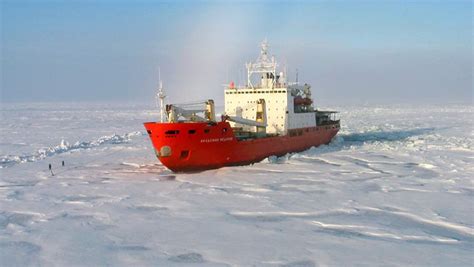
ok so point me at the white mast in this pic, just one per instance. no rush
(161, 95)
(263, 65)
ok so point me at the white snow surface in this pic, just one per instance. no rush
(394, 188)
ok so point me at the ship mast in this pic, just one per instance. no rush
(264, 65)
(160, 95)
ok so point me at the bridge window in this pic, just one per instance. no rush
(192, 131)
(172, 132)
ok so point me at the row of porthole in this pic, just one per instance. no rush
(269, 109)
(254, 117)
(269, 117)
(249, 102)
(252, 102)
(254, 92)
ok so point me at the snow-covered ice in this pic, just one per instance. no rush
(394, 188)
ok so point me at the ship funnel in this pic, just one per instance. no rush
(261, 117)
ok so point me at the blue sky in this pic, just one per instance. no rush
(356, 51)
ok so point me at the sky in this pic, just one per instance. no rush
(349, 51)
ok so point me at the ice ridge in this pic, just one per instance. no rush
(63, 147)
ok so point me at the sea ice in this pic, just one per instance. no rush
(394, 187)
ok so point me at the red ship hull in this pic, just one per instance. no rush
(189, 147)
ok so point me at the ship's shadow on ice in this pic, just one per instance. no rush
(383, 136)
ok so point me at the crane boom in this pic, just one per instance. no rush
(245, 121)
(174, 112)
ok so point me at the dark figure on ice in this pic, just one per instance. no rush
(51, 169)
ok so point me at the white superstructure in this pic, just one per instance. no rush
(287, 106)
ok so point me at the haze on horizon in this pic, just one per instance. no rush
(357, 51)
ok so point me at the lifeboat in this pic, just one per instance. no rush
(303, 101)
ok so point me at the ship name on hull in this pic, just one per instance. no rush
(212, 140)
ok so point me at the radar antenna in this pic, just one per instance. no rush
(264, 65)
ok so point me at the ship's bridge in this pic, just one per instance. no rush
(287, 106)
